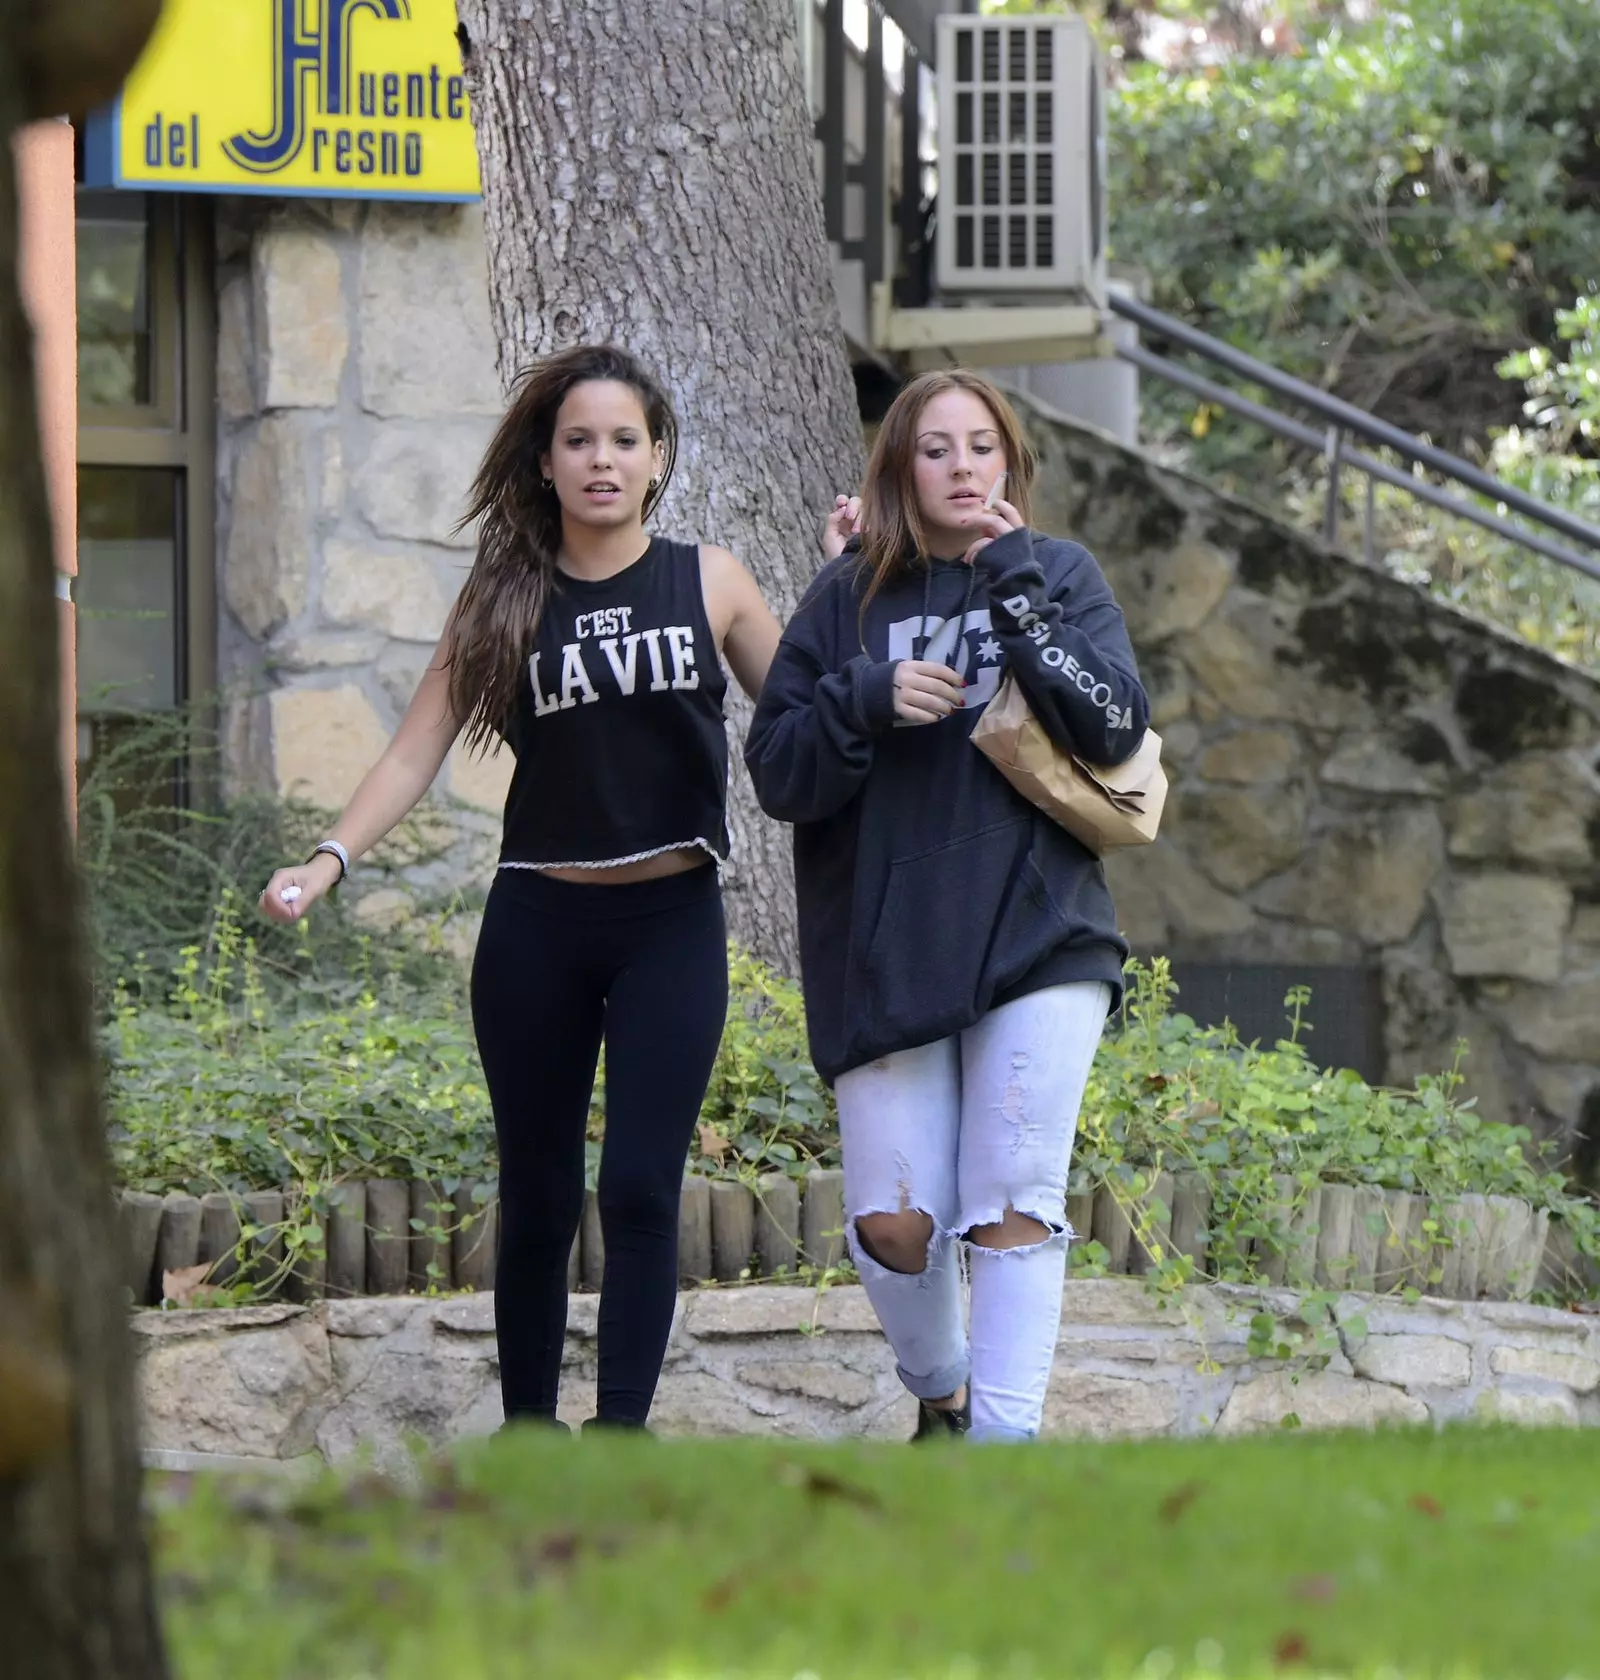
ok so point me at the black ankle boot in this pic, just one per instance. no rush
(614, 1426)
(936, 1423)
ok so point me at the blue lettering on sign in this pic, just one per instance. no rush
(323, 54)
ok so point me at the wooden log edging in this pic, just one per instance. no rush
(393, 1237)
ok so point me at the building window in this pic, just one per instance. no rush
(146, 449)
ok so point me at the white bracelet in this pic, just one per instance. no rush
(334, 849)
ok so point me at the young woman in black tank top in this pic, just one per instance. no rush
(593, 651)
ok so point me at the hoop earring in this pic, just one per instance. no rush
(547, 483)
(655, 483)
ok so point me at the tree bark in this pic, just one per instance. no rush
(648, 178)
(75, 1598)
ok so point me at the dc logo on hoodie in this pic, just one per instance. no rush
(938, 641)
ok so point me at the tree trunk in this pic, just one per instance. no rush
(75, 1600)
(648, 178)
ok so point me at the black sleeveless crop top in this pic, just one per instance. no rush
(618, 729)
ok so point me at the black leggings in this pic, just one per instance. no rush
(644, 964)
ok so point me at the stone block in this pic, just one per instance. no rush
(1497, 1405)
(303, 326)
(1174, 592)
(235, 1390)
(1558, 1021)
(733, 1229)
(465, 1315)
(593, 1242)
(1251, 756)
(388, 1231)
(1420, 1361)
(1369, 876)
(414, 481)
(139, 1216)
(347, 1239)
(777, 1310)
(1083, 1403)
(426, 345)
(1119, 1301)
(1159, 888)
(1239, 836)
(1535, 810)
(236, 351)
(265, 566)
(395, 594)
(700, 1403)
(822, 1217)
(178, 1242)
(1320, 1399)
(1571, 1370)
(1506, 925)
(295, 654)
(324, 740)
(815, 1379)
(694, 1230)
(1370, 764)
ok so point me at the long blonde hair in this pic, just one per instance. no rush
(893, 536)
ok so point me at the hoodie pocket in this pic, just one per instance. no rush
(958, 922)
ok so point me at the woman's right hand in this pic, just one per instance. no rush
(925, 692)
(842, 524)
(311, 880)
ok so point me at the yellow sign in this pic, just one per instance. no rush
(354, 98)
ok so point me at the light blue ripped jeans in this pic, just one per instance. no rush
(962, 1130)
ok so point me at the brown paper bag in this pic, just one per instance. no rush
(1107, 807)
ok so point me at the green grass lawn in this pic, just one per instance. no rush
(1472, 1553)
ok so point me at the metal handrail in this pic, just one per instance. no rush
(1341, 420)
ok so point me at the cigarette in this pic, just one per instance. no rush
(994, 491)
(289, 894)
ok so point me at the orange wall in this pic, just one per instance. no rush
(48, 278)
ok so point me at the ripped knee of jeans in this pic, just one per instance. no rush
(1015, 1228)
(898, 1239)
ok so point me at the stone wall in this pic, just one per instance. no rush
(1360, 776)
(282, 1382)
(356, 389)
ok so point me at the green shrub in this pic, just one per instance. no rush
(160, 851)
(215, 1085)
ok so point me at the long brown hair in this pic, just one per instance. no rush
(893, 536)
(519, 529)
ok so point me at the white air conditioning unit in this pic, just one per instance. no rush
(1021, 207)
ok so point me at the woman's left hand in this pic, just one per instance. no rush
(992, 522)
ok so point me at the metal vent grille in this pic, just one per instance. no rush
(1019, 155)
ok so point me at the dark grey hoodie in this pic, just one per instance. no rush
(930, 892)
